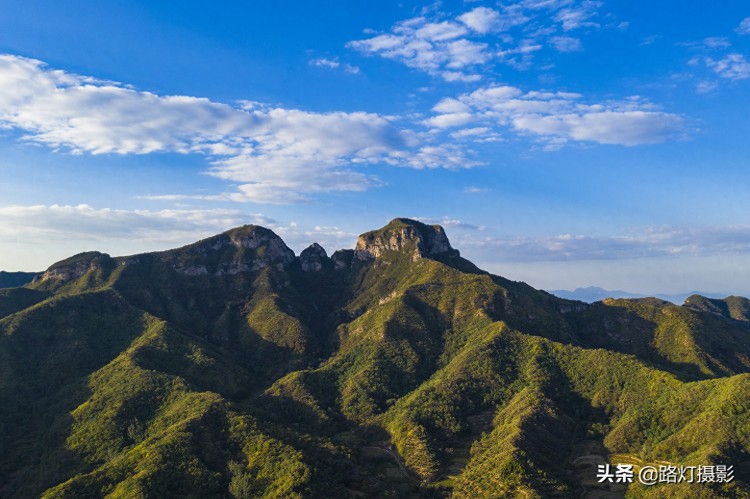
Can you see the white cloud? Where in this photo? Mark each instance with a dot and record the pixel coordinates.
(449, 120)
(439, 32)
(704, 86)
(558, 117)
(731, 66)
(476, 190)
(478, 133)
(454, 47)
(629, 128)
(546, 4)
(449, 223)
(566, 44)
(81, 114)
(325, 63)
(578, 15)
(464, 53)
(744, 27)
(482, 20)
(430, 47)
(717, 42)
(448, 156)
(276, 155)
(716, 55)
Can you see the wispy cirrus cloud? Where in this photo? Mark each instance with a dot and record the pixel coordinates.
(333, 63)
(476, 190)
(566, 44)
(716, 61)
(274, 154)
(461, 47)
(732, 66)
(744, 27)
(556, 118)
(84, 222)
(645, 242)
(451, 223)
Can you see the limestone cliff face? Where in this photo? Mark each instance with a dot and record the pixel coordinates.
(76, 266)
(244, 249)
(405, 235)
(313, 258)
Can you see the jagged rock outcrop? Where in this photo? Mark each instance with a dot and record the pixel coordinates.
(76, 266)
(244, 249)
(313, 258)
(405, 235)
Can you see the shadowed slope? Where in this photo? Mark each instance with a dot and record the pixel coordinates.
(232, 367)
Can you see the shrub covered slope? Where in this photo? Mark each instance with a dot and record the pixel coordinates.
(233, 368)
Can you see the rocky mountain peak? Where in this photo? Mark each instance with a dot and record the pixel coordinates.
(254, 236)
(243, 249)
(313, 258)
(405, 235)
(76, 266)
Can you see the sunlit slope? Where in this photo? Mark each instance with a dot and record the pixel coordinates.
(233, 368)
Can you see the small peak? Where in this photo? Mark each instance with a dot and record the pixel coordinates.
(242, 249)
(704, 304)
(76, 266)
(405, 235)
(313, 258)
(251, 236)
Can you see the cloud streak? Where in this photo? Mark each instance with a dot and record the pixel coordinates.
(53, 222)
(324, 62)
(723, 63)
(643, 243)
(732, 66)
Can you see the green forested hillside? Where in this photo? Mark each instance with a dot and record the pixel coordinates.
(232, 368)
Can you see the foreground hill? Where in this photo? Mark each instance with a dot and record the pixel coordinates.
(233, 368)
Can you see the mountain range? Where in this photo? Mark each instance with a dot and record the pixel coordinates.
(232, 367)
(591, 294)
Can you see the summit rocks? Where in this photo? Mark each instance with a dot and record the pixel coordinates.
(405, 235)
(244, 249)
(313, 258)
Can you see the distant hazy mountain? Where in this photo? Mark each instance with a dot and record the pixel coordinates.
(15, 279)
(232, 367)
(593, 293)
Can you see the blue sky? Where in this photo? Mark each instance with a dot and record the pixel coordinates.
(561, 142)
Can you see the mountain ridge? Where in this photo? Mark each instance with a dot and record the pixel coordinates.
(232, 367)
(591, 294)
